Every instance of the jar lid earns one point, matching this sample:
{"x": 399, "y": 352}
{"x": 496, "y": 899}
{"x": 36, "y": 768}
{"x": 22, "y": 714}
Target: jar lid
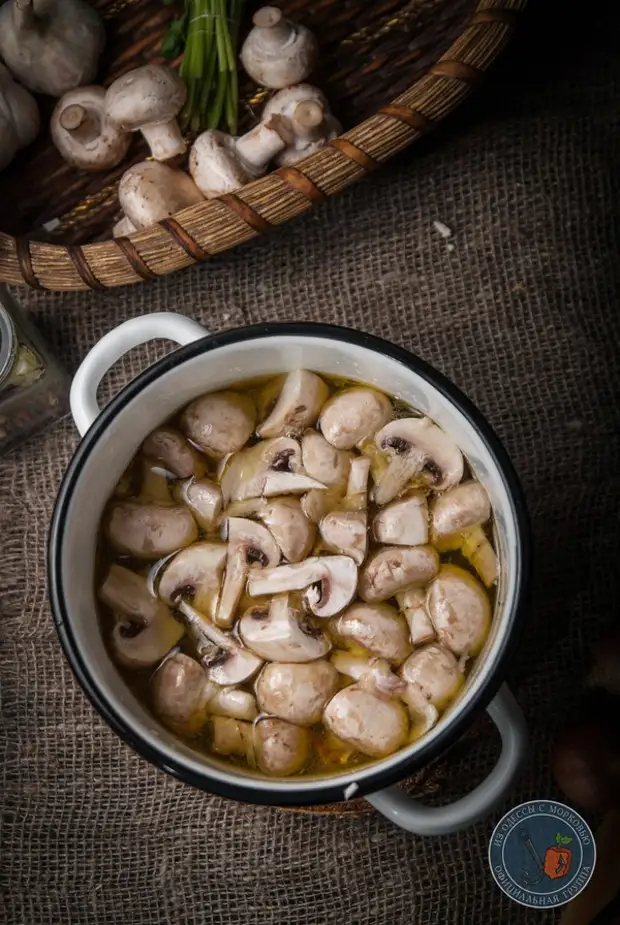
{"x": 7, "y": 344}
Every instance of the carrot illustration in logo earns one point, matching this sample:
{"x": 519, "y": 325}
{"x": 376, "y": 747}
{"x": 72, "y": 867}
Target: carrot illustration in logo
{"x": 558, "y": 858}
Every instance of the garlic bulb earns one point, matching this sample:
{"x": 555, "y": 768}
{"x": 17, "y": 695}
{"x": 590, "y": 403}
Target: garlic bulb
{"x": 19, "y": 117}
{"x": 51, "y": 46}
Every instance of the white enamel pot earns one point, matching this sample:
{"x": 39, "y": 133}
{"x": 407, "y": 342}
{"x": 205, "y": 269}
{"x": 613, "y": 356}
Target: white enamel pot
{"x": 206, "y": 363}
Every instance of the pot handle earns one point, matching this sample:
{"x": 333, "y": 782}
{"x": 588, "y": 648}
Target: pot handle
{"x": 158, "y": 325}
{"x": 407, "y": 813}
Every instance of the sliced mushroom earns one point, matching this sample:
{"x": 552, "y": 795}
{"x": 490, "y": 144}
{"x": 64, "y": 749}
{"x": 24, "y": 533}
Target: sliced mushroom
{"x": 228, "y": 701}
{"x": 227, "y": 663}
{"x": 317, "y": 503}
{"x": 416, "y": 447}
{"x": 220, "y": 423}
{"x": 376, "y": 725}
{"x": 324, "y": 462}
{"x": 460, "y": 610}
{"x": 435, "y": 672}
{"x": 346, "y": 531}
{"x": 296, "y": 692}
{"x": 331, "y": 582}
{"x": 354, "y": 415}
{"x": 154, "y": 486}
{"x": 422, "y": 713}
{"x": 395, "y": 568}
{"x": 249, "y": 545}
{"x": 149, "y": 531}
{"x": 181, "y": 691}
{"x": 280, "y": 633}
{"x": 281, "y": 748}
{"x": 412, "y": 603}
{"x": 403, "y": 523}
{"x": 376, "y": 628}
{"x": 356, "y": 498}
{"x": 145, "y": 630}
{"x": 476, "y": 547}
{"x": 195, "y": 575}
{"x": 233, "y": 737}
{"x": 291, "y": 529}
{"x": 204, "y": 499}
{"x": 169, "y": 447}
{"x": 270, "y": 468}
{"x": 373, "y": 674}
{"x": 298, "y": 406}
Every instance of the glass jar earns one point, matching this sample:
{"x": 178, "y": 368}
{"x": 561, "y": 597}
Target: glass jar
{"x": 34, "y": 388}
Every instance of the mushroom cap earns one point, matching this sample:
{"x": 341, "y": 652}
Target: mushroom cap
{"x": 220, "y": 423}
{"x": 215, "y": 166}
{"x": 378, "y": 628}
{"x": 376, "y": 726}
{"x": 149, "y": 531}
{"x": 298, "y": 406}
{"x": 281, "y": 748}
{"x": 280, "y": 633}
{"x": 169, "y": 447}
{"x": 128, "y": 593}
{"x": 333, "y": 580}
{"x": 195, "y": 574}
{"x": 292, "y": 530}
{"x": 324, "y": 462}
{"x": 150, "y": 191}
{"x": 296, "y": 692}
{"x": 394, "y": 568}
{"x": 204, "y": 499}
{"x": 229, "y": 701}
{"x": 180, "y": 690}
{"x": 460, "y": 610}
{"x": 102, "y": 148}
{"x": 346, "y": 532}
{"x": 149, "y": 95}
{"x": 435, "y": 672}
{"x": 427, "y": 445}
{"x": 354, "y": 415}
{"x": 460, "y": 508}
{"x": 403, "y": 523}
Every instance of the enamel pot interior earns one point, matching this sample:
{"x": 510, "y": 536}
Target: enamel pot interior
{"x": 216, "y": 363}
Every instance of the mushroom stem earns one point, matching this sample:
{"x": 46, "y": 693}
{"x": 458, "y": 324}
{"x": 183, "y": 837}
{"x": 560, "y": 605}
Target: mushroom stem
{"x": 24, "y": 16}
{"x": 261, "y": 144}
{"x": 309, "y": 120}
{"x": 123, "y": 227}
{"x": 164, "y": 139}
{"x": 275, "y": 28}
{"x": 80, "y": 123}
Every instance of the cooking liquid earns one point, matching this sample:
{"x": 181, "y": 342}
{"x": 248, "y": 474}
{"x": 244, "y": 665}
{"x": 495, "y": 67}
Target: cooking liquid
{"x": 144, "y": 480}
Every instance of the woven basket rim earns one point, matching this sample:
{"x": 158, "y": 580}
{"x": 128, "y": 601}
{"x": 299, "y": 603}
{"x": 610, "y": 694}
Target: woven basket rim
{"x": 216, "y": 225}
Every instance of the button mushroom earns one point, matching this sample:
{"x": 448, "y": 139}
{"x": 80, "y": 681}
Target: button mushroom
{"x": 412, "y": 603}
{"x": 416, "y": 447}
{"x": 298, "y": 406}
{"x": 455, "y": 517}
{"x": 149, "y": 531}
{"x": 145, "y": 630}
{"x": 281, "y": 748}
{"x": 249, "y": 545}
{"x": 313, "y": 124}
{"x": 204, "y": 499}
{"x": 221, "y": 164}
{"x": 435, "y": 672}
{"x": 460, "y": 610}
{"x": 180, "y": 690}
{"x": 346, "y": 531}
{"x": 403, "y": 523}
{"x": 168, "y": 446}
{"x": 219, "y": 423}
{"x": 296, "y": 692}
{"x": 150, "y": 191}
{"x": 288, "y": 524}
{"x": 148, "y": 99}
{"x": 323, "y": 462}
{"x": 377, "y": 628}
{"x": 195, "y": 575}
{"x": 83, "y": 134}
{"x": 354, "y": 415}
{"x": 395, "y": 568}
{"x": 269, "y": 468}
{"x": 369, "y": 714}
{"x": 233, "y": 737}
{"x": 277, "y": 52}
{"x": 331, "y": 582}
{"x": 229, "y": 701}
{"x": 19, "y": 117}
{"x": 227, "y": 662}
{"x": 280, "y": 633}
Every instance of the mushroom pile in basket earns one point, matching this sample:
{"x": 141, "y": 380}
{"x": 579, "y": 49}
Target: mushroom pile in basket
{"x": 282, "y": 566}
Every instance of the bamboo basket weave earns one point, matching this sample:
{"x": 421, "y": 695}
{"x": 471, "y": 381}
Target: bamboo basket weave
{"x": 392, "y": 70}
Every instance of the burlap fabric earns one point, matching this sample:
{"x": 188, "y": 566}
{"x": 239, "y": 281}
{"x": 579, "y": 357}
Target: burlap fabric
{"x": 520, "y": 312}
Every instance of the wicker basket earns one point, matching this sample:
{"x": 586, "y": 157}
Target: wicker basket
{"x": 424, "y": 56}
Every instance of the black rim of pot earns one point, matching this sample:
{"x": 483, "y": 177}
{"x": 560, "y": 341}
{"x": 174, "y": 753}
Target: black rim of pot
{"x": 323, "y": 791}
